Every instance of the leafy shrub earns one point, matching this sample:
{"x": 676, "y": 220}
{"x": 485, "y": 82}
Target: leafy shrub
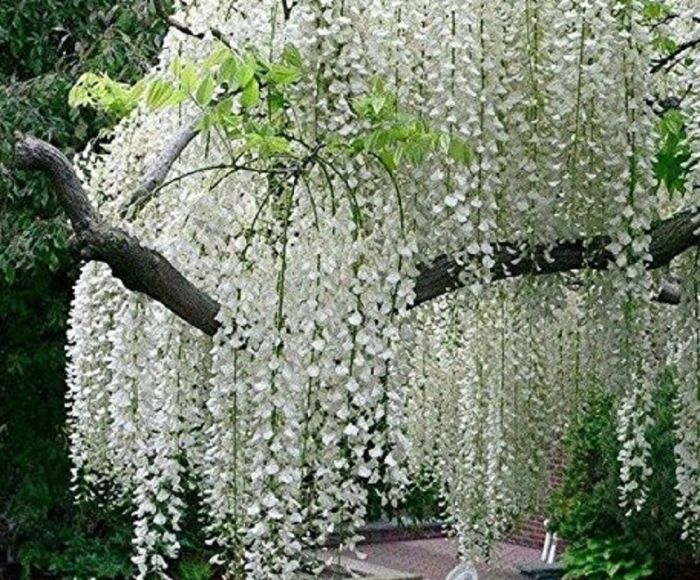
{"x": 420, "y": 503}
{"x": 607, "y": 558}
{"x": 80, "y": 547}
{"x": 585, "y": 509}
{"x": 194, "y": 568}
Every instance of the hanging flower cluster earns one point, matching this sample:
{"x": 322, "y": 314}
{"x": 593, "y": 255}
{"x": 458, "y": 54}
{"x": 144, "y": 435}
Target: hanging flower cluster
{"x": 340, "y": 146}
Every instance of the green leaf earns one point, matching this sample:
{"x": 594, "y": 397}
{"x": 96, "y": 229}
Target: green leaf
{"x": 139, "y": 89}
{"x": 101, "y": 92}
{"x": 205, "y": 91}
{"x": 377, "y": 102}
{"x": 664, "y": 44}
{"x": 672, "y": 122}
{"x": 161, "y": 93}
{"x": 613, "y": 568}
{"x": 443, "y": 144}
{"x": 459, "y": 151}
{"x": 276, "y": 100}
{"x": 245, "y": 72}
{"x": 267, "y": 144}
{"x": 228, "y": 69}
{"x": 217, "y": 58}
{"x": 186, "y": 74}
{"x": 222, "y": 116}
{"x": 292, "y": 56}
{"x": 671, "y": 163}
{"x": 388, "y": 160}
{"x": 282, "y": 75}
{"x": 655, "y": 10}
{"x": 251, "y": 94}
{"x": 358, "y": 145}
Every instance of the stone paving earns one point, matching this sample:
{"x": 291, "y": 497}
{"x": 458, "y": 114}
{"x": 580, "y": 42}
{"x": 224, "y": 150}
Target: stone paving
{"x": 432, "y": 559}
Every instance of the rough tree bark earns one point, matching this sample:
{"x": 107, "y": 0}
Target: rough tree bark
{"x": 139, "y": 268}
{"x": 669, "y": 238}
{"x": 144, "y": 270}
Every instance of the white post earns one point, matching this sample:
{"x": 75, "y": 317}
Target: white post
{"x": 552, "y": 549}
{"x": 547, "y": 540}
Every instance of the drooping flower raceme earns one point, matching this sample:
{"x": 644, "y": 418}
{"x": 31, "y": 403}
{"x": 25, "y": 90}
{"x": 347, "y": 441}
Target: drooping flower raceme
{"x": 392, "y": 133}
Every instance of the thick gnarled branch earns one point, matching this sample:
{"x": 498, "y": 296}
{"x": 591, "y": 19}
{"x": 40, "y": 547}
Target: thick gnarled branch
{"x": 31, "y": 153}
{"x": 144, "y": 270}
{"x": 669, "y": 238}
{"x": 139, "y": 268}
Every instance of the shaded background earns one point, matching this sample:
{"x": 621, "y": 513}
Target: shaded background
{"x": 45, "y": 45}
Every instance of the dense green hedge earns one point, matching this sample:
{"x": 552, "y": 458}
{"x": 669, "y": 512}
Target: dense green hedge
{"x": 45, "y": 45}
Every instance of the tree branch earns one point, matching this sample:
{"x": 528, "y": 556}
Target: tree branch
{"x": 162, "y": 12}
{"x": 144, "y": 270}
{"x": 287, "y": 8}
{"x": 31, "y": 153}
{"x": 670, "y": 59}
{"x": 156, "y": 174}
{"x": 669, "y": 238}
{"x": 139, "y": 268}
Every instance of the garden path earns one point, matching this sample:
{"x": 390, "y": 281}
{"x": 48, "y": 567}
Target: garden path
{"x": 433, "y": 558}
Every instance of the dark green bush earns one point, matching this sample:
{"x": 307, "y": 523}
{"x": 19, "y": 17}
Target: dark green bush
{"x": 45, "y": 45}
{"x": 609, "y": 558}
{"x": 585, "y": 509}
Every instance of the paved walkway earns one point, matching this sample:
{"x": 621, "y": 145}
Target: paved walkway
{"x": 434, "y": 558}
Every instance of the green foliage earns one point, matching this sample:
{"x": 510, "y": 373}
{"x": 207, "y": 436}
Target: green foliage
{"x": 90, "y": 548}
{"x": 586, "y": 501}
{"x": 394, "y": 137}
{"x": 585, "y": 506}
{"x": 250, "y": 95}
{"x": 664, "y": 44}
{"x": 232, "y": 87}
{"x": 655, "y": 10}
{"x": 225, "y": 72}
{"x": 161, "y": 94}
{"x": 228, "y": 87}
{"x": 45, "y": 45}
{"x": 101, "y": 92}
{"x": 194, "y": 568}
{"x": 607, "y": 558}
{"x": 421, "y": 503}
{"x": 656, "y": 13}
{"x": 671, "y": 165}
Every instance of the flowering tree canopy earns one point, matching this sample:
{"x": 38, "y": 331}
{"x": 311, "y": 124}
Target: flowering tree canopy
{"x": 293, "y": 179}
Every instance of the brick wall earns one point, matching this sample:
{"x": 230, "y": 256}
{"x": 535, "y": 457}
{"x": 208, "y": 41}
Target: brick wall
{"x": 531, "y": 530}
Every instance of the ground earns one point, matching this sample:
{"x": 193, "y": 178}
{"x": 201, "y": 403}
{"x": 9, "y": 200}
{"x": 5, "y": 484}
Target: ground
{"x": 432, "y": 559}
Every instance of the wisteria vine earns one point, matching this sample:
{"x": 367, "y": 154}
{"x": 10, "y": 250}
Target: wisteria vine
{"x": 329, "y": 147}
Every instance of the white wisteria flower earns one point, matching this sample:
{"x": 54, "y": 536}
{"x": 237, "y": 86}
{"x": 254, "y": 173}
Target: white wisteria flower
{"x": 322, "y": 377}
